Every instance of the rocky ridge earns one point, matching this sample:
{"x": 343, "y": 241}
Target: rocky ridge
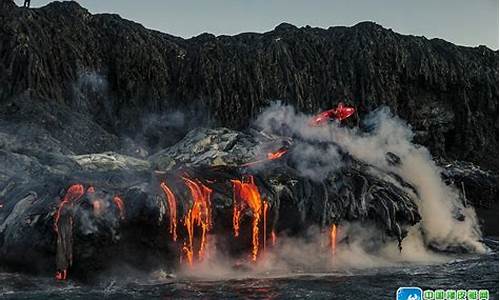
{"x": 108, "y": 75}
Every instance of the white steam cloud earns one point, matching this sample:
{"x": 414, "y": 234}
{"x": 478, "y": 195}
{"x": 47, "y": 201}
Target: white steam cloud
{"x": 440, "y": 205}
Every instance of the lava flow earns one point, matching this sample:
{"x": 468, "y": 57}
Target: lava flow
{"x": 246, "y": 194}
{"x": 333, "y": 238}
{"x": 64, "y": 251}
{"x": 172, "y": 209}
{"x": 198, "y": 214}
{"x": 270, "y": 156}
{"x": 277, "y": 154}
{"x": 74, "y": 193}
{"x": 339, "y": 113}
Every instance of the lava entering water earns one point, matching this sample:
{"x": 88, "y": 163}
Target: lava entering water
{"x": 64, "y": 243}
{"x": 172, "y": 209}
{"x": 246, "y": 194}
{"x": 333, "y": 238}
{"x": 74, "y": 193}
{"x": 199, "y": 214}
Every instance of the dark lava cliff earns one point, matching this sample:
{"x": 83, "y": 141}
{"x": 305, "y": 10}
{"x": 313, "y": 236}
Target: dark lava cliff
{"x": 109, "y": 131}
{"x": 448, "y": 93}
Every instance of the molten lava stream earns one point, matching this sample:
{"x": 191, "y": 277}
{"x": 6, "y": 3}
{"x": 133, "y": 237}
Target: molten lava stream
{"x": 264, "y": 227}
{"x": 172, "y": 209}
{"x": 246, "y": 194}
{"x": 270, "y": 156}
{"x": 73, "y": 194}
{"x": 200, "y": 215}
{"x": 333, "y": 238}
{"x": 236, "y": 219}
{"x": 277, "y": 154}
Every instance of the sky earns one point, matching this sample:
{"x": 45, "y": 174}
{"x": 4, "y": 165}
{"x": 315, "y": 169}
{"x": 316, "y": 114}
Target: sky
{"x": 463, "y": 22}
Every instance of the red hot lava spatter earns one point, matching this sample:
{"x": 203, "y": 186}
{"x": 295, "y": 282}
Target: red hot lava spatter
{"x": 200, "y": 215}
{"x": 247, "y": 195}
{"x": 172, "y": 209}
{"x": 73, "y": 194}
{"x": 340, "y": 113}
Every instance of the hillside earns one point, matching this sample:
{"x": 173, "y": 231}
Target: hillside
{"x": 94, "y": 78}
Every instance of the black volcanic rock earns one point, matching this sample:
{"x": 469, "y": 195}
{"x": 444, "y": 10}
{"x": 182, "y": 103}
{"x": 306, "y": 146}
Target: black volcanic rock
{"x": 59, "y": 53}
{"x": 41, "y": 231}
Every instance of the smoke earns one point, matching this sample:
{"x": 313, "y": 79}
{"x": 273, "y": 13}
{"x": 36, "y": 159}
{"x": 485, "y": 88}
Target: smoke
{"x": 311, "y": 254}
{"x": 446, "y": 222}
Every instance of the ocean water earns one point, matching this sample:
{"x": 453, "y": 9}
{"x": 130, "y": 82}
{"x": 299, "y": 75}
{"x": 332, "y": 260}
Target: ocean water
{"x": 467, "y": 272}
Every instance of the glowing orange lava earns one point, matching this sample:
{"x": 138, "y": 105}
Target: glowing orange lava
{"x": 333, "y": 238}
{"x": 277, "y": 154}
{"x": 118, "y": 201}
{"x": 200, "y": 215}
{"x": 74, "y": 193}
{"x": 172, "y": 209}
{"x": 236, "y": 219}
{"x": 340, "y": 113}
{"x": 270, "y": 156}
{"x": 246, "y": 194}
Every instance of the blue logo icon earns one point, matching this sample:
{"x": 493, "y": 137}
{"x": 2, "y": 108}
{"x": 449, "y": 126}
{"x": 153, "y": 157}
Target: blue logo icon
{"x": 409, "y": 293}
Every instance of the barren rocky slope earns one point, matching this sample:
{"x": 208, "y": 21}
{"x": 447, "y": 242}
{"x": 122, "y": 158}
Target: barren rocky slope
{"x": 105, "y": 75}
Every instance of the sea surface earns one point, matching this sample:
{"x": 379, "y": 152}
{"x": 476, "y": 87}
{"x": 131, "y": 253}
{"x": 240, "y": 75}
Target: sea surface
{"x": 468, "y": 272}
